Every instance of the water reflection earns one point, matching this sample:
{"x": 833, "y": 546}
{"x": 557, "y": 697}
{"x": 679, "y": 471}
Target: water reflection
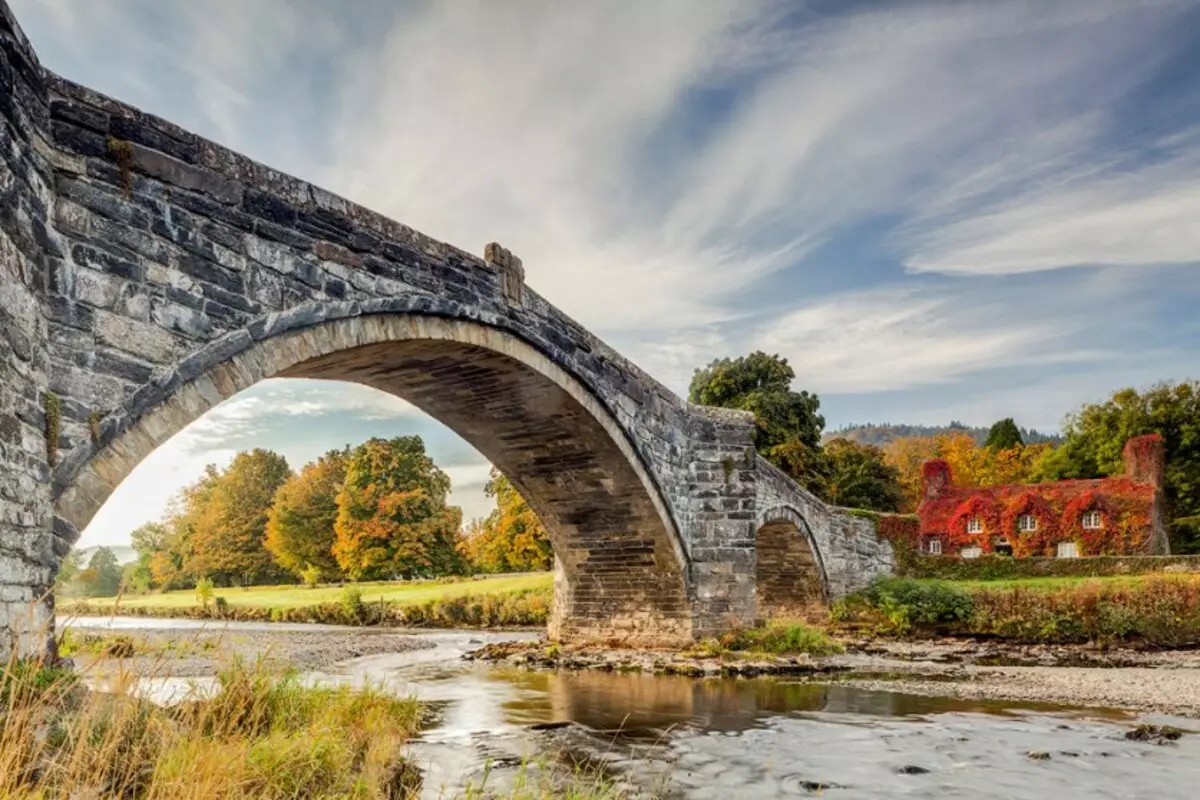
{"x": 649, "y": 705}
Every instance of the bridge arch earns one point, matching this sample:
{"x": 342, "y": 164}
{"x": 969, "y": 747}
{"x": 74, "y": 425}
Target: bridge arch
{"x": 621, "y": 566}
{"x": 790, "y": 570}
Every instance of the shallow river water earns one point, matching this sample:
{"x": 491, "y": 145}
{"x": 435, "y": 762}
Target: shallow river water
{"x": 761, "y": 738}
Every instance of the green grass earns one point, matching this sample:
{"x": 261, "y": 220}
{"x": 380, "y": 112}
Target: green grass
{"x": 400, "y": 594}
{"x": 1050, "y": 584}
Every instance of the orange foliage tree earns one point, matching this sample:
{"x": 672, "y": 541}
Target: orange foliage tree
{"x": 971, "y": 464}
{"x": 511, "y": 538}
{"x": 393, "y": 520}
{"x": 226, "y": 514}
{"x": 300, "y": 527}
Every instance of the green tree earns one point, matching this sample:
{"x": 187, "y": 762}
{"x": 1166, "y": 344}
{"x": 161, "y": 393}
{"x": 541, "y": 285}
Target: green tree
{"x": 761, "y": 384}
{"x": 1004, "y": 435}
{"x": 859, "y": 476}
{"x": 66, "y": 581}
{"x": 300, "y": 527}
{"x": 102, "y": 578}
{"x": 1095, "y": 437}
{"x": 392, "y": 513}
{"x": 147, "y": 541}
{"x": 511, "y": 538}
{"x": 227, "y": 538}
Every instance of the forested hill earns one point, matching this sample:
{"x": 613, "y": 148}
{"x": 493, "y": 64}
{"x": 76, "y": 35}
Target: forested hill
{"x": 881, "y": 434}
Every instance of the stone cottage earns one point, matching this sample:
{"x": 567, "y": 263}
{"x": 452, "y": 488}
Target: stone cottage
{"x": 1120, "y": 515}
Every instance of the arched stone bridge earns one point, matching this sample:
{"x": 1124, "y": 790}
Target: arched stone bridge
{"x": 146, "y": 274}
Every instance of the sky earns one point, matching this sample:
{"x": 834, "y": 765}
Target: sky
{"x": 935, "y": 210}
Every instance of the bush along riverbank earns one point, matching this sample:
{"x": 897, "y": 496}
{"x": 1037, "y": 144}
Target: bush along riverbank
{"x": 528, "y": 608}
{"x": 1153, "y": 612}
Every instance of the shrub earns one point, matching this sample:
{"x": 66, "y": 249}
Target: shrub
{"x": 923, "y": 603}
{"x": 1158, "y": 611}
{"x": 204, "y": 591}
{"x": 782, "y": 638}
{"x": 311, "y": 575}
{"x": 352, "y": 602}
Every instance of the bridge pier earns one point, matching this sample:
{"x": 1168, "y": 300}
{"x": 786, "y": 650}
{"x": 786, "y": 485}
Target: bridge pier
{"x": 146, "y": 274}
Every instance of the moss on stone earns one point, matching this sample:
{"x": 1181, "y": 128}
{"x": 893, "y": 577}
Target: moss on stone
{"x": 122, "y": 153}
{"x": 94, "y": 427}
{"x": 53, "y": 408}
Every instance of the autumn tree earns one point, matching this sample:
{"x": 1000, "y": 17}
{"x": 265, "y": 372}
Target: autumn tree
{"x": 511, "y": 538}
{"x": 227, "y": 540}
{"x": 787, "y": 423}
{"x": 970, "y": 464}
{"x": 860, "y": 477}
{"x": 906, "y": 454}
{"x": 1004, "y": 435}
{"x": 393, "y": 519}
{"x": 300, "y": 527}
{"x": 1096, "y": 434}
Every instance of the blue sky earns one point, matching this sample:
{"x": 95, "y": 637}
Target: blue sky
{"x": 960, "y": 210}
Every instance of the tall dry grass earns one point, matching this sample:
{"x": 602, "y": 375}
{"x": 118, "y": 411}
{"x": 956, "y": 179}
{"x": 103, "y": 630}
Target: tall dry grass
{"x": 260, "y": 735}
{"x": 1157, "y": 611}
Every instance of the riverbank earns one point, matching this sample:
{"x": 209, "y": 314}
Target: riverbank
{"x": 202, "y": 653}
{"x": 502, "y": 601}
{"x": 1165, "y": 682}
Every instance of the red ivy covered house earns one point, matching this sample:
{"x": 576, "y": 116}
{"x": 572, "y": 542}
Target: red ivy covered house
{"x": 1106, "y": 516}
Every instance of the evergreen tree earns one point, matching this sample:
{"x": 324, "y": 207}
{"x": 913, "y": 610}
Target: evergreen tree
{"x": 1004, "y": 435}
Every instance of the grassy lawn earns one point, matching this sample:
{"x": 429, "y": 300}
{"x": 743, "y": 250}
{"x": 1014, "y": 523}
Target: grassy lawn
{"x": 1049, "y": 584}
{"x": 413, "y": 593}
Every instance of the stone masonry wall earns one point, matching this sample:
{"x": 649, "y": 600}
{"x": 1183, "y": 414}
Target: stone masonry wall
{"x": 847, "y": 546}
{"x": 26, "y": 561}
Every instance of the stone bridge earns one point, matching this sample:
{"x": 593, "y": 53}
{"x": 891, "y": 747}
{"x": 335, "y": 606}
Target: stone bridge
{"x": 146, "y": 274}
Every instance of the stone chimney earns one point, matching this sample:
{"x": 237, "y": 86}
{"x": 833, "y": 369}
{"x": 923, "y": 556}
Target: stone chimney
{"x": 1145, "y": 459}
{"x": 935, "y": 478}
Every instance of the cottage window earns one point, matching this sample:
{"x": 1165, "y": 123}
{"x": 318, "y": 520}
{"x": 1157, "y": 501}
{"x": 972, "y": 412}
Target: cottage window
{"x": 974, "y": 525}
{"x": 1092, "y": 521}
{"x": 1027, "y": 522}
{"x": 934, "y": 547}
{"x": 972, "y": 552}
{"x": 1068, "y": 550}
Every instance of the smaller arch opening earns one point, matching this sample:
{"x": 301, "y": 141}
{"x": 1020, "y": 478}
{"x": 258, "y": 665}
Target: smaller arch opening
{"x": 790, "y": 574}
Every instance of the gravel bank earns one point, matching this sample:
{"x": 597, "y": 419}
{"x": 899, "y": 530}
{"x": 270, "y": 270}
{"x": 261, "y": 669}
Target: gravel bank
{"x": 191, "y": 653}
{"x": 1163, "y": 682}
{"x": 1166, "y": 682}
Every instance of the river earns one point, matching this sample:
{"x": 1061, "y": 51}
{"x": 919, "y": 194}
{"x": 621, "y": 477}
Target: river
{"x": 745, "y": 738}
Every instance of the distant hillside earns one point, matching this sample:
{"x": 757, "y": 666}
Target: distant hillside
{"x": 881, "y": 434}
{"x": 123, "y": 553}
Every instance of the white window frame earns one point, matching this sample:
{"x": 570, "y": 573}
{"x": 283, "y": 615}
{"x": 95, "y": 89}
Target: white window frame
{"x": 975, "y": 551}
{"x": 1092, "y": 521}
{"x": 934, "y": 547}
{"x": 1072, "y": 546}
{"x": 1027, "y": 523}
{"x": 974, "y": 525}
